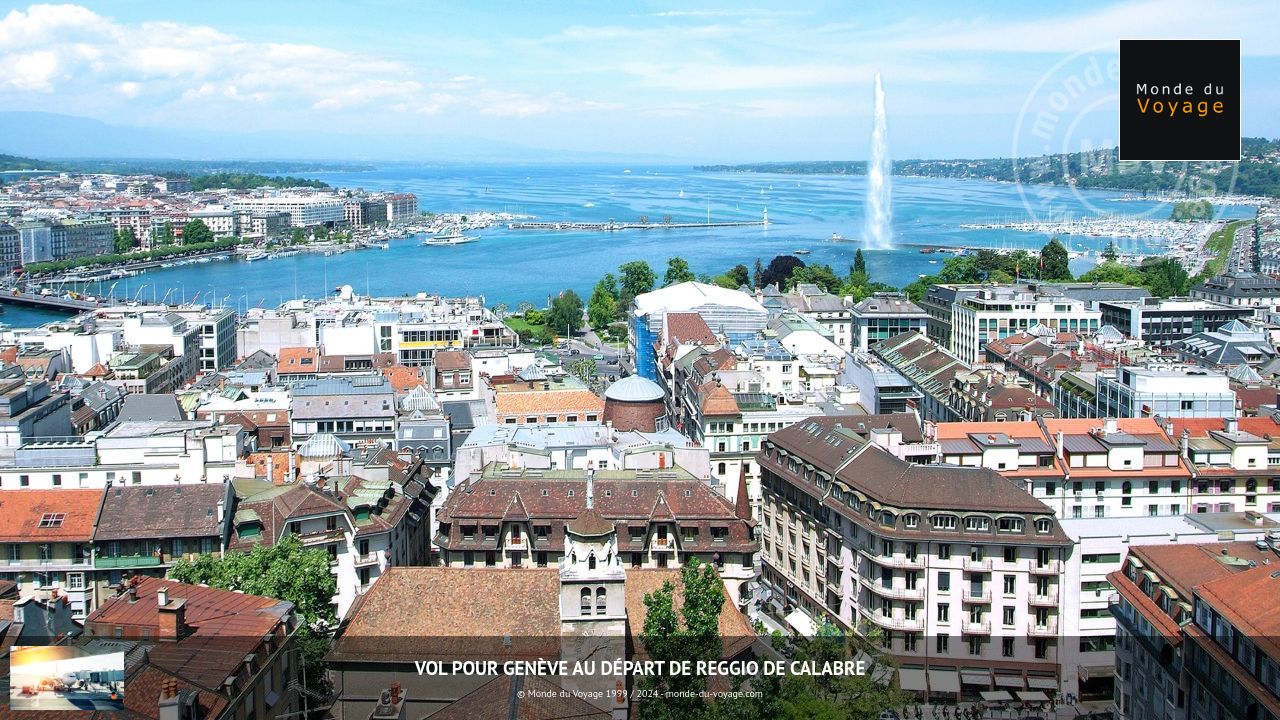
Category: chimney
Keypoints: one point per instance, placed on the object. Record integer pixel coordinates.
(1232, 424)
(133, 595)
(591, 487)
(1058, 450)
(222, 510)
(162, 595)
(391, 704)
(170, 702)
(173, 620)
(1110, 426)
(1185, 443)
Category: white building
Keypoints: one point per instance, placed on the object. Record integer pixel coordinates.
(304, 210)
(1164, 390)
(997, 312)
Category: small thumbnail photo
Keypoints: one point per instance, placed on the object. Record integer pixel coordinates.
(65, 678)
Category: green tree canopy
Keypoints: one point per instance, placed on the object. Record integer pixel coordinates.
(821, 275)
(565, 313)
(602, 308)
(739, 275)
(859, 262)
(695, 639)
(1054, 261)
(125, 241)
(637, 278)
(779, 271)
(196, 232)
(677, 272)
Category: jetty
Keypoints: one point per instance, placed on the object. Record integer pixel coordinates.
(614, 226)
(53, 302)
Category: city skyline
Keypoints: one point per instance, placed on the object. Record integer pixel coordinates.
(664, 82)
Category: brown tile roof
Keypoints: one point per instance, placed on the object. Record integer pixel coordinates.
(520, 697)
(549, 402)
(298, 360)
(1248, 601)
(224, 626)
(687, 328)
(588, 523)
(1200, 427)
(452, 360)
(24, 512)
(402, 378)
(163, 511)
(1183, 566)
(98, 371)
(424, 613)
(279, 467)
(717, 400)
(144, 691)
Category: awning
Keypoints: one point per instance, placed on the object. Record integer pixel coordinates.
(880, 672)
(976, 677)
(1009, 681)
(996, 696)
(801, 623)
(1044, 683)
(1033, 696)
(944, 681)
(911, 679)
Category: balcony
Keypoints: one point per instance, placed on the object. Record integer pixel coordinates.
(1052, 567)
(896, 593)
(893, 561)
(368, 559)
(1043, 600)
(50, 564)
(897, 623)
(977, 596)
(127, 561)
(324, 537)
(972, 565)
(517, 543)
(663, 544)
(982, 627)
(1048, 628)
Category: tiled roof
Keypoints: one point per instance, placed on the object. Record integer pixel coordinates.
(402, 378)
(550, 402)
(717, 400)
(452, 360)
(58, 514)
(688, 328)
(736, 633)
(297, 360)
(163, 511)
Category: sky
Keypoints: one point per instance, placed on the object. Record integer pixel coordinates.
(699, 81)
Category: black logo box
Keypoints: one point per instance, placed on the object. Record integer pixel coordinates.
(1187, 66)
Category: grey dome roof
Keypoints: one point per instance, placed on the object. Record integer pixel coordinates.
(323, 445)
(634, 389)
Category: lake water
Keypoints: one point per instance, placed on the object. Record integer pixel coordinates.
(515, 265)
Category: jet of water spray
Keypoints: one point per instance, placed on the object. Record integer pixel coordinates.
(878, 231)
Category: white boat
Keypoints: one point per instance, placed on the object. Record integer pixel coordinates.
(836, 237)
(255, 255)
(589, 205)
(802, 252)
(452, 238)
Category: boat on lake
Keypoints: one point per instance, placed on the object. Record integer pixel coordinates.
(454, 237)
(255, 255)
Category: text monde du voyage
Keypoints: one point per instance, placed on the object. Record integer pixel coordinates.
(1181, 99)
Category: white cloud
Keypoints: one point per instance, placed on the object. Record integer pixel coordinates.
(29, 71)
(129, 89)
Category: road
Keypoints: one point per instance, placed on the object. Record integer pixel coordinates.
(608, 366)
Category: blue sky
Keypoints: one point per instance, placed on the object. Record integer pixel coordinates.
(689, 80)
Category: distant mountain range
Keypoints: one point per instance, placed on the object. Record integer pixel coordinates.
(1258, 170)
(52, 136)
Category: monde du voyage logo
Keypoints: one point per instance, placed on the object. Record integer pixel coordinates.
(1180, 100)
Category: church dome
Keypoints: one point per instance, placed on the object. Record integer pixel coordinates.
(634, 389)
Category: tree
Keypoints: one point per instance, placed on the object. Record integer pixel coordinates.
(501, 310)
(1110, 254)
(1165, 277)
(859, 262)
(677, 272)
(779, 271)
(833, 695)
(166, 235)
(287, 571)
(739, 275)
(565, 313)
(821, 275)
(125, 241)
(321, 232)
(1113, 272)
(523, 308)
(602, 308)
(297, 236)
(1054, 261)
(584, 368)
(668, 640)
(757, 274)
(637, 279)
(196, 232)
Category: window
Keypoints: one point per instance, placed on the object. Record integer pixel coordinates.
(1006, 647)
(490, 558)
(944, 581)
(1011, 525)
(944, 551)
(1008, 617)
(57, 480)
(1010, 554)
(942, 644)
(51, 520)
(944, 613)
(24, 481)
(585, 603)
(1010, 584)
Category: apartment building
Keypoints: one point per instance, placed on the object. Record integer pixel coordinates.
(815, 304)
(209, 653)
(366, 523)
(996, 312)
(10, 248)
(1195, 629)
(517, 517)
(48, 543)
(958, 568)
(304, 210)
(30, 410)
(1235, 463)
(882, 316)
(401, 207)
(1255, 291)
(1163, 321)
(930, 368)
(1137, 391)
(724, 312)
(352, 408)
